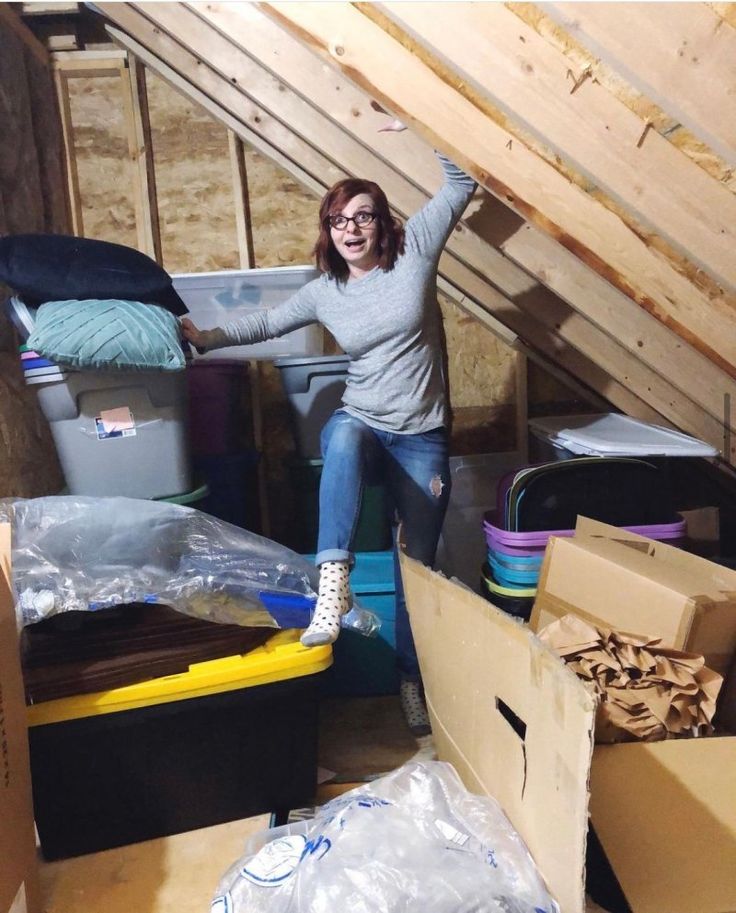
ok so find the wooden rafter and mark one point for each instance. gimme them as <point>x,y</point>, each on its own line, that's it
<point>587,134</point>
<point>680,55</point>
<point>440,106</point>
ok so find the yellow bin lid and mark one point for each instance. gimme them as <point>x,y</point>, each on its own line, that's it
<point>281,657</point>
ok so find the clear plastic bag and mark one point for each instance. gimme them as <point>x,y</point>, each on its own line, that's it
<point>77,553</point>
<point>414,841</point>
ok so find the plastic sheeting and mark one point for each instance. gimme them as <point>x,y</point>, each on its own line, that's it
<point>76,553</point>
<point>414,841</point>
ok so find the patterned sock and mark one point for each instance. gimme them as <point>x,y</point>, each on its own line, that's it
<point>411,695</point>
<point>332,603</point>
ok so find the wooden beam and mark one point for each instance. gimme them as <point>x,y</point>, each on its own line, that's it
<point>70,154</point>
<point>9,19</point>
<point>241,199</point>
<point>435,102</point>
<point>334,96</point>
<point>680,55</point>
<point>58,8</point>
<point>588,135</point>
<point>140,151</point>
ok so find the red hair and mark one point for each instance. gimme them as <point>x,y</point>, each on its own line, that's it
<point>390,240</point>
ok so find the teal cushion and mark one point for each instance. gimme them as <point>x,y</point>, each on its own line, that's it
<point>126,335</point>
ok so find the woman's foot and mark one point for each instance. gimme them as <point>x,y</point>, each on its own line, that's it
<point>333,602</point>
<point>414,708</point>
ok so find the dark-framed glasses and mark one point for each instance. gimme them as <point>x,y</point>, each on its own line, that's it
<point>362,219</point>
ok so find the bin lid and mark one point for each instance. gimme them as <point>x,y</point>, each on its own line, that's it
<point>611,434</point>
<point>282,657</point>
<point>294,361</point>
<point>20,316</point>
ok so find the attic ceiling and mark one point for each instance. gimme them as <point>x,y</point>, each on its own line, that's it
<point>605,143</point>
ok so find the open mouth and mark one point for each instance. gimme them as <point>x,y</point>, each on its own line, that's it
<point>355,244</point>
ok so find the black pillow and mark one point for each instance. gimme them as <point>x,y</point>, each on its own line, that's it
<point>59,268</point>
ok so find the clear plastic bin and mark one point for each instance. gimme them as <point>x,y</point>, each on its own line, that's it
<point>217,298</point>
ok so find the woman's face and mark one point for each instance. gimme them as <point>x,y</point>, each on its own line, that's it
<point>357,244</point>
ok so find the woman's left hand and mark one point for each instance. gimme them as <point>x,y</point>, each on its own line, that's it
<point>395,126</point>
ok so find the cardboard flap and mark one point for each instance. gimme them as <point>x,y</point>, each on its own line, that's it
<point>665,814</point>
<point>612,578</point>
<point>683,568</point>
<point>512,719</point>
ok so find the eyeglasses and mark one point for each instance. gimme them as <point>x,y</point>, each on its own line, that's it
<point>361,219</point>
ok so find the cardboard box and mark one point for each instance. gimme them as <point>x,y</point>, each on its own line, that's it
<point>18,861</point>
<point>617,579</point>
<point>511,718</point>
<point>518,725</point>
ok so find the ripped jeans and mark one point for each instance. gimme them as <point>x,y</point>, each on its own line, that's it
<point>415,470</point>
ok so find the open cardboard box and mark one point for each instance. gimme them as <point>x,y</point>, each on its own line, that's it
<point>18,862</point>
<point>517,724</point>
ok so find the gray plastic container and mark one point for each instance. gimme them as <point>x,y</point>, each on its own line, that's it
<point>314,387</point>
<point>120,433</point>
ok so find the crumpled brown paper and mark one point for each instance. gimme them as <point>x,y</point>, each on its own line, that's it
<point>647,692</point>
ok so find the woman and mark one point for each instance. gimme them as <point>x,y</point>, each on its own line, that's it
<point>377,296</point>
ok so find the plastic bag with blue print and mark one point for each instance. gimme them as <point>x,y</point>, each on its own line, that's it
<point>83,553</point>
<point>414,841</point>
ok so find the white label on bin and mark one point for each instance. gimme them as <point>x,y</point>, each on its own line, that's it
<point>272,865</point>
<point>112,423</point>
<point>20,904</point>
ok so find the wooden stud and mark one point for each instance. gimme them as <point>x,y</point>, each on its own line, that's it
<point>140,150</point>
<point>241,198</point>
<point>70,153</point>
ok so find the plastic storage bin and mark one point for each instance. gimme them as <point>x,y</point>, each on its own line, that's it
<point>462,549</point>
<point>228,739</point>
<point>362,665</point>
<point>217,298</point>
<point>120,433</point>
<point>216,422</point>
<point>373,532</point>
<point>314,389</point>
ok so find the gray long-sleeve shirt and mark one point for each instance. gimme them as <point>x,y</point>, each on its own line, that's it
<point>387,322</point>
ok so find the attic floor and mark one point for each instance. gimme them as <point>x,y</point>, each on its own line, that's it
<point>359,739</point>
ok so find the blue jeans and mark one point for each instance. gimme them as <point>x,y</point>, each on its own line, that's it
<point>415,470</point>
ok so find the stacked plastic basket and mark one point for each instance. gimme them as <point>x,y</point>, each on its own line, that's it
<point>537,502</point>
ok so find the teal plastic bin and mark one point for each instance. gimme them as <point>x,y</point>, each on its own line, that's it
<point>364,666</point>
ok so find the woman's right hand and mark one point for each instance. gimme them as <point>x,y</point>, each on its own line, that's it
<point>198,338</point>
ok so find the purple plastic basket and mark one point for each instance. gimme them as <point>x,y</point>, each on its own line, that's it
<point>507,542</point>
